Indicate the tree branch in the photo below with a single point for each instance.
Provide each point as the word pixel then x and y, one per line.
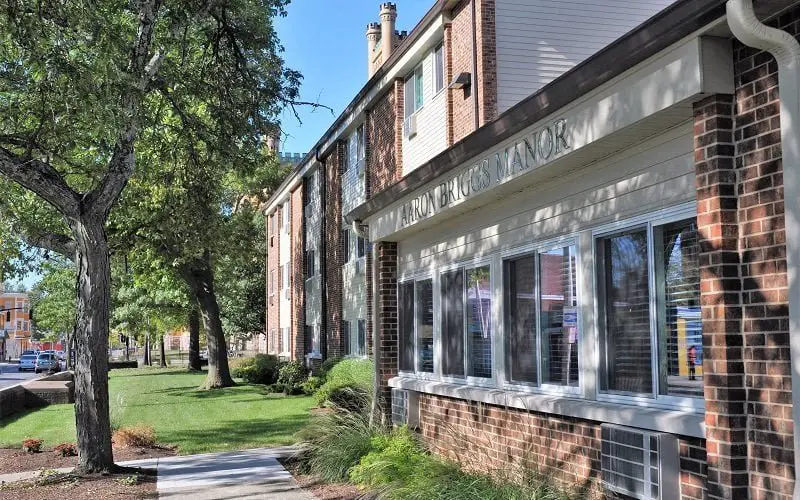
pixel 58 243
pixel 42 179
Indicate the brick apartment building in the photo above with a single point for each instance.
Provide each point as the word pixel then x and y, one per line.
pixel 15 324
pixel 560 231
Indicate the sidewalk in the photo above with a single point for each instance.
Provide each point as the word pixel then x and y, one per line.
pixel 249 474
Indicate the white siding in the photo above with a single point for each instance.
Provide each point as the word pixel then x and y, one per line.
pixel 313 221
pixel 539 40
pixel 431 138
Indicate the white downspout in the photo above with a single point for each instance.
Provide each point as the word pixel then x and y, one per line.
pixel 784 47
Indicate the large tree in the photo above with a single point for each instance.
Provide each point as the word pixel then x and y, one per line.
pixel 81 86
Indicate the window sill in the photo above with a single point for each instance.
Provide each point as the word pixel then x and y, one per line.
pixel 683 423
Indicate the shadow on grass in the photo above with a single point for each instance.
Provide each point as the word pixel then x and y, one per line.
pixel 151 372
pixel 42 409
pixel 237 434
pixel 199 401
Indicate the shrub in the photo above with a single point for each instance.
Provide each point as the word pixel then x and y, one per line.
pixel 393 458
pixel 262 369
pixel 290 377
pixel 32 445
pixel 336 441
pixel 326 365
pixel 350 398
pixel 139 436
pixel 66 450
pixel 311 385
pixel 354 373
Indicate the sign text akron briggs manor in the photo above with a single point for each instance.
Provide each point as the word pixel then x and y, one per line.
pixel 533 150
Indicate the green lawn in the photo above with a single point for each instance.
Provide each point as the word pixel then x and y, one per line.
pixel 194 421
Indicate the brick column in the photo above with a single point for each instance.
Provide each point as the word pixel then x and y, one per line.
pixel 387 307
pixel 334 255
pixel 399 115
pixel 448 77
pixel 487 60
pixel 297 235
pixel 721 298
pixel 273 301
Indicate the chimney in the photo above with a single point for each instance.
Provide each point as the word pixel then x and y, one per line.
pixel 373 37
pixel 388 18
pixel 272 143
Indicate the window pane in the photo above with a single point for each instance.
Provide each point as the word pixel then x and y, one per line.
pixel 406 326
pixel 678 294
pixel 438 62
pixel 625 297
pixel 452 288
pixel 362 146
pixel 479 322
pixel 425 326
pixel 408 97
pixel 348 345
pixel 418 88
pixel 559 316
pixel 521 318
pixel 345 245
pixel 353 149
pixel 362 337
pixel 361 246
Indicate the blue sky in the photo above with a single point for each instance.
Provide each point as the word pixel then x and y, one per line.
pixel 325 40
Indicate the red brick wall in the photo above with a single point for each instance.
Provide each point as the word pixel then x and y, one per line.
pixel 297 276
pixel 273 301
pixel 487 60
pixel 460 59
pixel 334 257
pixel 448 77
pixel 387 306
pixel 382 159
pixel 765 322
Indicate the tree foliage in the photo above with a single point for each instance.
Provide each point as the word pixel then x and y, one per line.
pixel 53 299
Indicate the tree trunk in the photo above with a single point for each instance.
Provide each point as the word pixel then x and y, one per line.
pixel 147 350
pixel 201 283
pixel 127 348
pixel 91 335
pixel 194 340
pixel 163 353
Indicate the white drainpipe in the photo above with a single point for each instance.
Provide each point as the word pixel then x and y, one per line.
pixel 358 229
pixel 786 50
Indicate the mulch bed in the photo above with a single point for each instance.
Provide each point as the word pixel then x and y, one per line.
pixel 116 486
pixel 321 489
pixel 15 460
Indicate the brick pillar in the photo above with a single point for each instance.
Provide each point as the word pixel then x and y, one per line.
pixel 487 60
pixel 297 235
pixel 334 257
pixel 273 301
pixel 765 314
pixel 448 77
pixel 387 307
pixel 399 114
pixel 369 295
pixel 721 298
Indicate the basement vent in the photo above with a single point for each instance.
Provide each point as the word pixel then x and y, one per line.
pixel 639 463
pixel 405 408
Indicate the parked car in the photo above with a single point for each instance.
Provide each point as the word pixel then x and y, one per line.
pixel 30 352
pixel 47 362
pixel 61 355
pixel 27 362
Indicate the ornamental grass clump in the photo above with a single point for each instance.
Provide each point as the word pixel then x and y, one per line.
pixel 136 436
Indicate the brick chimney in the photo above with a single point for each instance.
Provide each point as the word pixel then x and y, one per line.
pixel 373 39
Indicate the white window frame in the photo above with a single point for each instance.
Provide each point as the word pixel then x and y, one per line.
pixel 412 76
pixel 286 211
pixel 648 221
pixel 415 278
pixel 437 70
pixel 286 334
pixel 535 249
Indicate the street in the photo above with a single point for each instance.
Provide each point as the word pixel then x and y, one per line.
pixel 10 376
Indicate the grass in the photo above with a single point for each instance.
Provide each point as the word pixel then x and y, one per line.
pixel 195 421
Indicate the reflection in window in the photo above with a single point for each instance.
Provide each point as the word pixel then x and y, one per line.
pixel 624 281
pixel 406 326
pixel 452 289
pixel 680 326
pixel 520 288
pixel 424 313
pixel 559 316
pixel 479 322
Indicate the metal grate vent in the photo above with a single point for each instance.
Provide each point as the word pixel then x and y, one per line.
pixel 640 464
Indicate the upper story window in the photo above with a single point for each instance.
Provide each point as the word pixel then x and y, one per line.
pixel 286 212
pixel 361 247
pixel 438 68
pixel 413 92
pixel 355 148
pixel 310 264
pixel 346 253
pixel 309 188
pixel 649 303
pixel 541 317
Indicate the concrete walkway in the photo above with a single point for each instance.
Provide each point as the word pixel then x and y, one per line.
pixel 249 474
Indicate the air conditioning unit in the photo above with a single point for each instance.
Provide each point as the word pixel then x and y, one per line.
pixel 360 266
pixel 640 464
pixel 405 408
pixel 410 127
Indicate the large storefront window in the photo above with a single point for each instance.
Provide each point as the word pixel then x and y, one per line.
pixel 416 326
pixel 541 312
pixel 479 322
pixel 452 293
pixel 648 292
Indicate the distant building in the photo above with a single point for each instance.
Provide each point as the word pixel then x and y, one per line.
pixel 15 324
